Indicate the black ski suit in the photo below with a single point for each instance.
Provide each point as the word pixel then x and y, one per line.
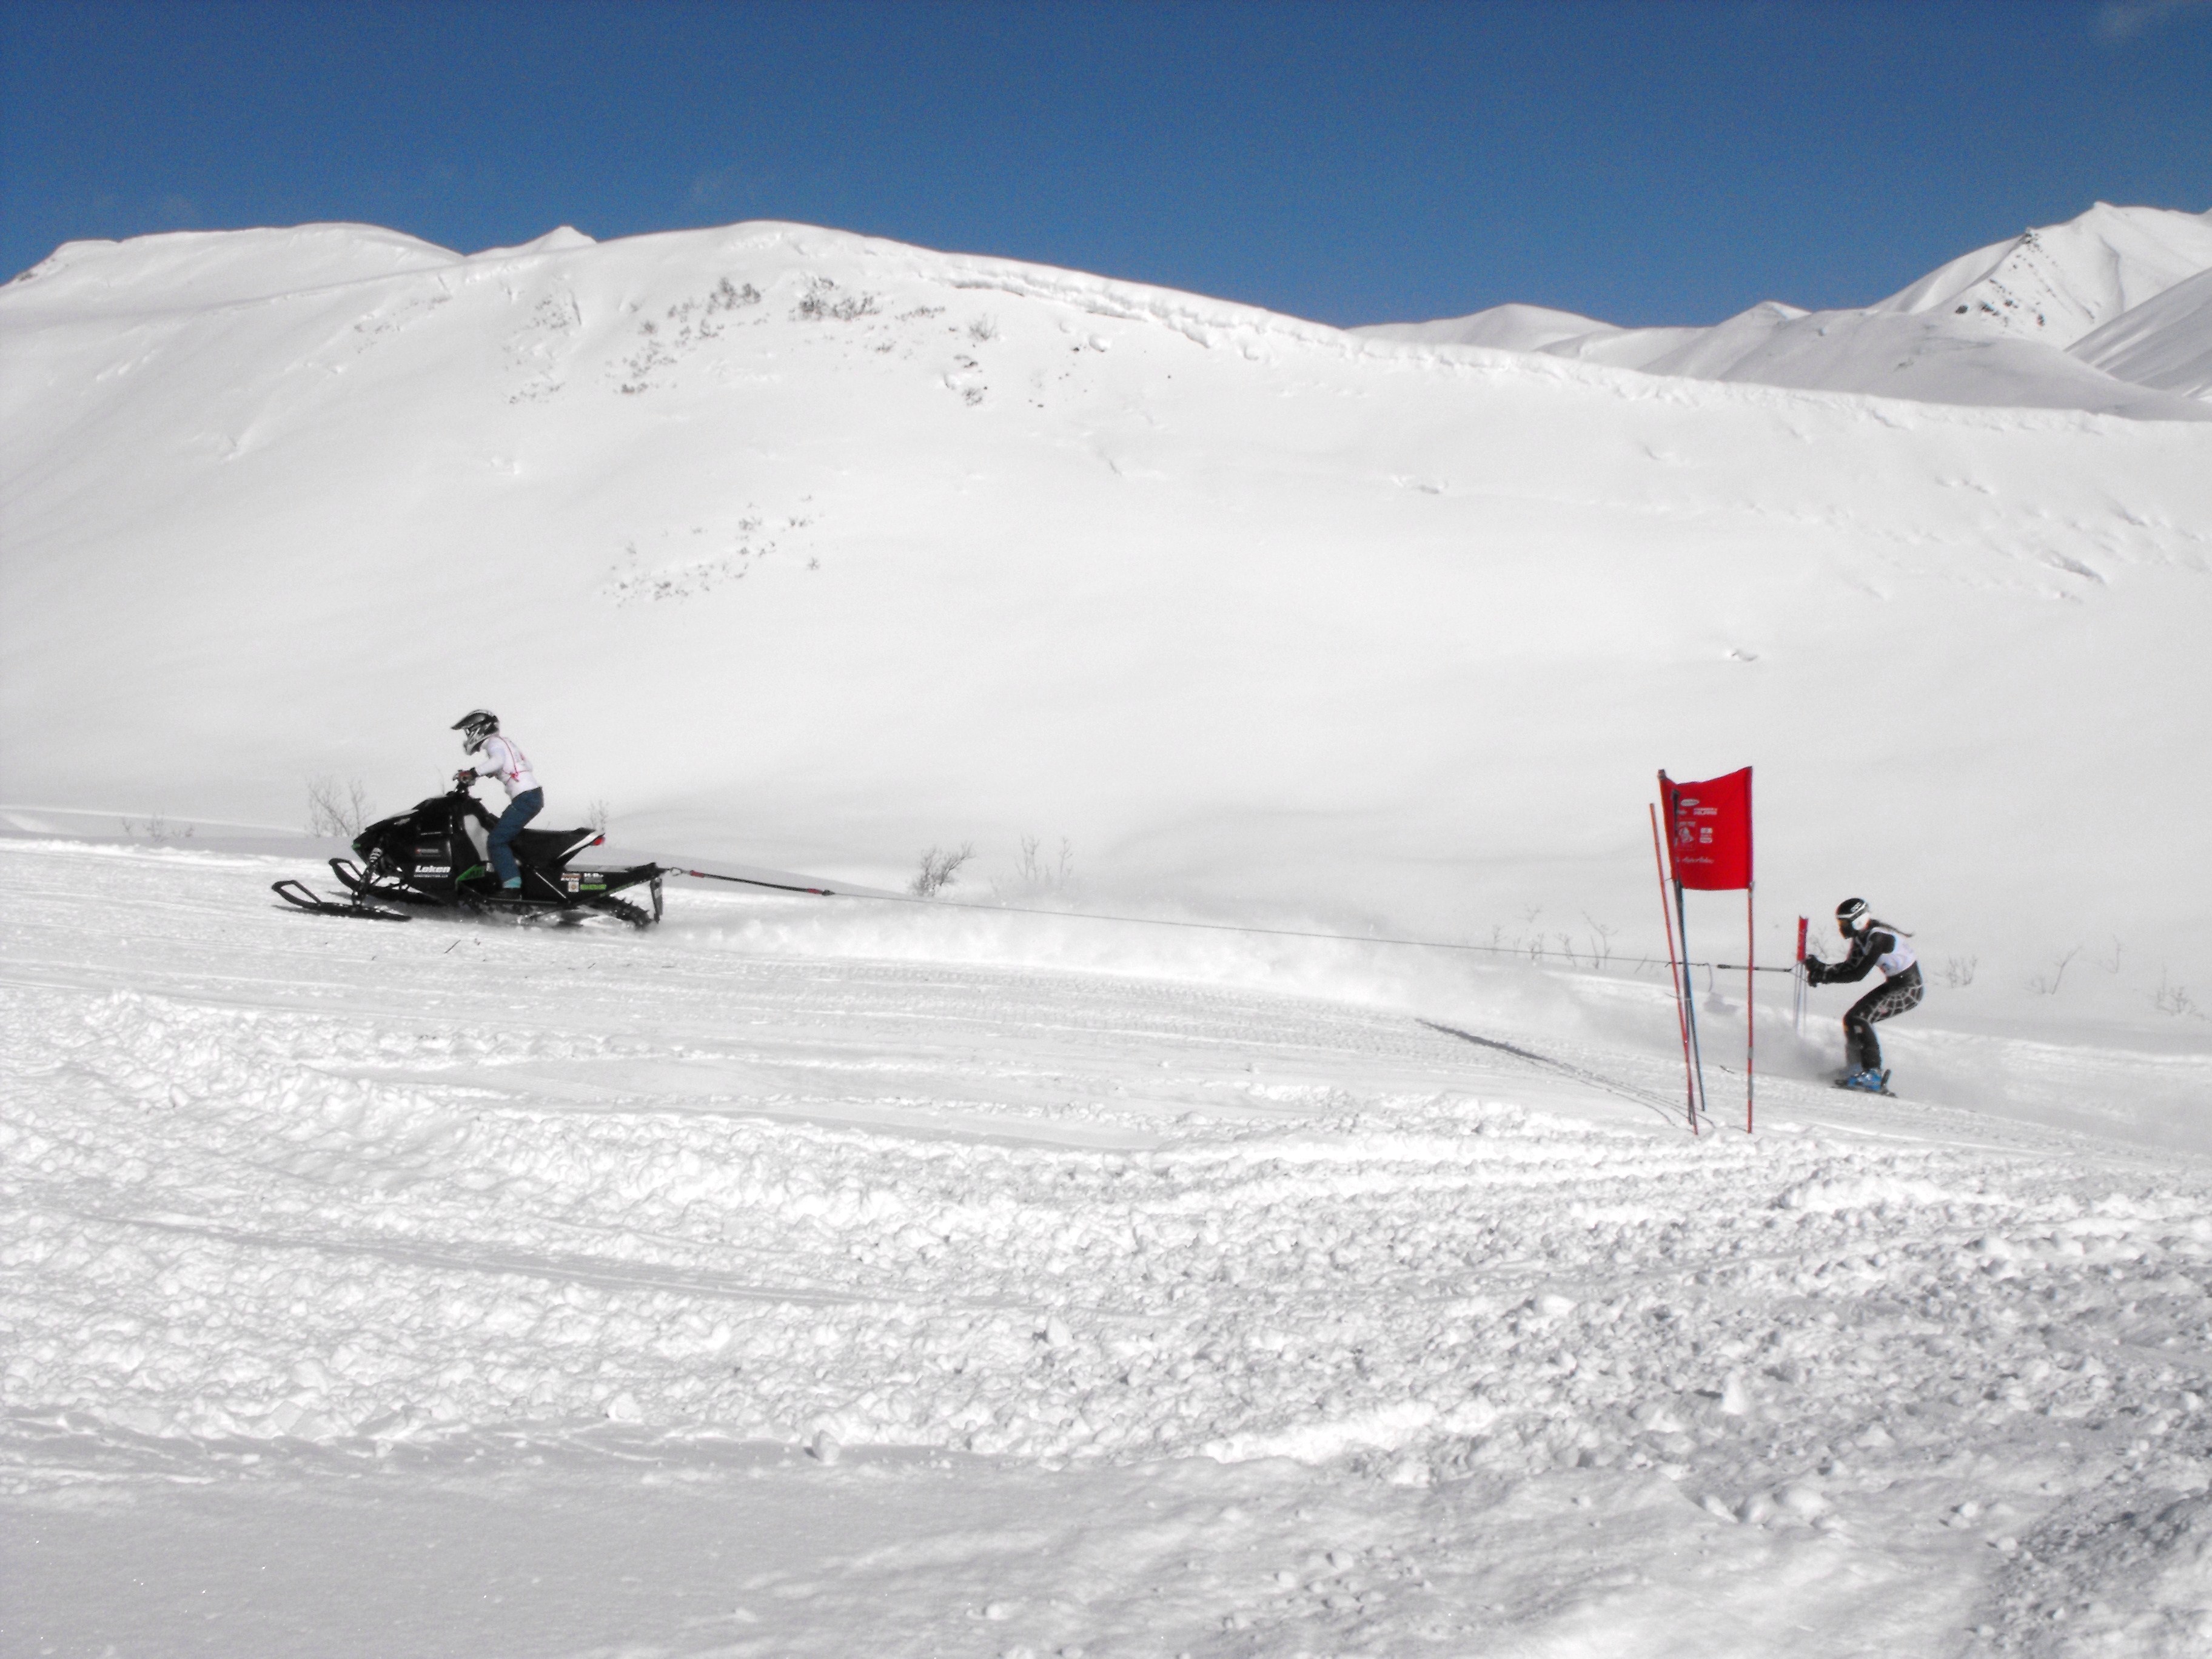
pixel 1898 993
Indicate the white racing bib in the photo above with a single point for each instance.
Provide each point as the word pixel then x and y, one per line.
pixel 503 759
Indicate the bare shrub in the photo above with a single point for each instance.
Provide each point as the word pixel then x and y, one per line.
pixel 599 814
pixel 940 869
pixel 2174 999
pixel 156 829
pixel 823 303
pixel 335 808
pixel 1959 971
pixel 983 329
pixel 2046 985
pixel 1036 874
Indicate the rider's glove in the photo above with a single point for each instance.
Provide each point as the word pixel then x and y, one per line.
pixel 1815 970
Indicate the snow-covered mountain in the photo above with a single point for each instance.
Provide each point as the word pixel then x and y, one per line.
pixel 2071 316
pixel 822 1277
pixel 2165 341
pixel 810 550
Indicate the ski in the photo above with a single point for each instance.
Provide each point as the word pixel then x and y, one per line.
pixel 301 896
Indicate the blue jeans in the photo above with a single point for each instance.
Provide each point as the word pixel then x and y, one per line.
pixel 520 810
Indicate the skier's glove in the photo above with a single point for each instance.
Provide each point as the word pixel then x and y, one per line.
pixel 1816 971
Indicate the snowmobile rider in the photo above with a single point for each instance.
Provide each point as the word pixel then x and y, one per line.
pixel 500 758
pixel 1873 944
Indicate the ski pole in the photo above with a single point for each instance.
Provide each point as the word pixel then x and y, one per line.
pixel 1798 991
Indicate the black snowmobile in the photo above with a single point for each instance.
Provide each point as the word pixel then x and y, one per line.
pixel 436 858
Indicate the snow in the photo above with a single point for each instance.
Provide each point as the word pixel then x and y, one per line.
pixel 857 1275
pixel 2164 342
pixel 1265 619
pixel 2005 325
pixel 586 1291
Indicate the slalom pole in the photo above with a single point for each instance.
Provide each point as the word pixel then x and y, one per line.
pixel 1750 1008
pixel 1674 972
pixel 1750 947
pixel 1690 1001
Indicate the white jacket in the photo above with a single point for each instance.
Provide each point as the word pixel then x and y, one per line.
pixel 503 759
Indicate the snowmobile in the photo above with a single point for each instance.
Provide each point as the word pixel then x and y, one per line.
pixel 436 858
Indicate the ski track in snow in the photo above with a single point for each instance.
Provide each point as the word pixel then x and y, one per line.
pixel 288 1193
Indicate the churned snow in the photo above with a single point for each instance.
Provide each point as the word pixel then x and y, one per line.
pixel 585 1292
pixel 854 1276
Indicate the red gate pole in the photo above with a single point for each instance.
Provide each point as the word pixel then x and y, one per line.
pixel 1750 950
pixel 1797 996
pixel 1674 972
pixel 1689 1000
pixel 1750 1009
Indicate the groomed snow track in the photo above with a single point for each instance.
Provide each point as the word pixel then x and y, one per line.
pixel 285 1195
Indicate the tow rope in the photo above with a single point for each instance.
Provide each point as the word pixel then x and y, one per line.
pixel 1637 962
pixel 779 886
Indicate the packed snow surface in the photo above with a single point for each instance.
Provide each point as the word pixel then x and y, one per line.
pixel 775 1283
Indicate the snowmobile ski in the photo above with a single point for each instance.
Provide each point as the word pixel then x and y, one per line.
pixel 301 896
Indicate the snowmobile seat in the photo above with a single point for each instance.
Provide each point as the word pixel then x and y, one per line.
pixel 549 849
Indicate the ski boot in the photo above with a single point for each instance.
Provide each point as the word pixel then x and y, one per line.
pixel 1865 1080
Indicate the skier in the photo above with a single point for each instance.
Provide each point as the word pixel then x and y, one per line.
pixel 500 758
pixel 1873 944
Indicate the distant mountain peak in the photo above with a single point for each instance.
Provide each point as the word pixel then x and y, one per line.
pixel 2058 282
pixel 1997 326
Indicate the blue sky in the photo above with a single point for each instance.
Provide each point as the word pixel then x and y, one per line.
pixel 1361 163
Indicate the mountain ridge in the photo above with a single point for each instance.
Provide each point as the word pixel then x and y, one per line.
pixel 1953 336
pixel 808 549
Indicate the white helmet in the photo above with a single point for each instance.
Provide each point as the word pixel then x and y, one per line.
pixel 475 726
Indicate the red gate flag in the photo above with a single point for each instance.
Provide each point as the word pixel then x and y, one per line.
pixel 1709 830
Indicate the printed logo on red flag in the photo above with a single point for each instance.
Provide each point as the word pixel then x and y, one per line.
pixel 1709 830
